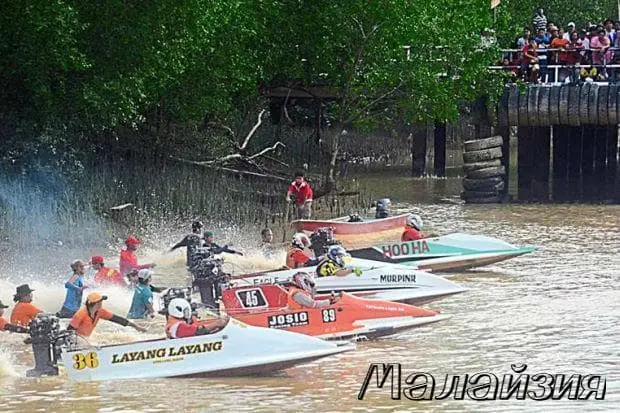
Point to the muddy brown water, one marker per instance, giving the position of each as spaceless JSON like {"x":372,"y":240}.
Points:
{"x":556,"y":310}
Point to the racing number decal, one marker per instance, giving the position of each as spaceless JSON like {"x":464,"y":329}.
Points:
{"x":81,"y":361}
{"x":329,"y":315}
{"x":252,"y":298}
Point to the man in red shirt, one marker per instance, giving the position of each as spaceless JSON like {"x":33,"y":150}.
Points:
{"x":105,"y":275}
{"x":303,"y":196}
{"x":129,"y":261}
{"x":413,"y":229}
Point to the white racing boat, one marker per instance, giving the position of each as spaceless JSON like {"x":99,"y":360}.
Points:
{"x":451,"y":252}
{"x":378,"y":280}
{"x":237,"y":349}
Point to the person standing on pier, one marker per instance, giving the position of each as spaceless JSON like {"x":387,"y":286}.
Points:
{"x":302,"y":191}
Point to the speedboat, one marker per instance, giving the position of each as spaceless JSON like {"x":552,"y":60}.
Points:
{"x":341,"y":226}
{"x":237,"y":349}
{"x":349,"y":316}
{"x":451,"y":252}
{"x":379,"y":280}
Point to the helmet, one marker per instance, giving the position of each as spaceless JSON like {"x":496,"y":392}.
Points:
{"x":304,"y":281}
{"x":196,"y":225}
{"x":414,"y":221}
{"x":145,"y":274}
{"x":337,"y":253}
{"x":301,"y":240}
{"x":96,"y":259}
{"x":180,"y":308}
{"x":132,"y":240}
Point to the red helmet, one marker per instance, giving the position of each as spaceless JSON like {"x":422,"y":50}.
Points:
{"x":97,"y":259}
{"x":132,"y":240}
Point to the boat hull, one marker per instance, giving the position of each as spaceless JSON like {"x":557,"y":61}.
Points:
{"x":350,"y":316}
{"x":223,"y":353}
{"x":451,"y":252}
{"x":341,"y":226}
{"x":407,"y":284}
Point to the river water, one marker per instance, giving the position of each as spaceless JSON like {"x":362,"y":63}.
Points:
{"x":556,"y":310}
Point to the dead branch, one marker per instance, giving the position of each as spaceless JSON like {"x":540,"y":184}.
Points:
{"x":254,"y":129}
{"x":264,"y":151}
{"x":231,"y":170}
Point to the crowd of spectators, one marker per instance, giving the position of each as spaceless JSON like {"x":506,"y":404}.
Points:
{"x":584,"y":54}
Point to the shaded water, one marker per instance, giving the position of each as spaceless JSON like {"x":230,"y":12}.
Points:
{"x":556,"y":310}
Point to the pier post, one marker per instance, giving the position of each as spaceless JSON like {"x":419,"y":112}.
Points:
{"x":418,"y":150}
{"x":561,"y":139}
{"x":440,"y":149}
{"x":574,"y":163}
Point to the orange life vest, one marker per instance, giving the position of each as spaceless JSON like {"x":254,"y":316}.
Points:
{"x":171,"y":326}
{"x":293,"y":253}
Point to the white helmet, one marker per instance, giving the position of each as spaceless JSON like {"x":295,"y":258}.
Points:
{"x":145,"y":274}
{"x":414,"y":221}
{"x":337,"y":253}
{"x":180,"y":308}
{"x":301,"y":240}
{"x":304,"y":281}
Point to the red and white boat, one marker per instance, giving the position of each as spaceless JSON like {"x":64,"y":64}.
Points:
{"x":350,"y":316}
{"x":341,"y":226}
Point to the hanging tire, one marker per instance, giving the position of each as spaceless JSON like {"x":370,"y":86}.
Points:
{"x":468,"y":167}
{"x":482,"y":155}
{"x":492,"y":199}
{"x":487,"y":172}
{"x":486,"y":143}
{"x":490,"y":184}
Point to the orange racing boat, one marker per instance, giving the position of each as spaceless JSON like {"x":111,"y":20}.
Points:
{"x":350,"y":316}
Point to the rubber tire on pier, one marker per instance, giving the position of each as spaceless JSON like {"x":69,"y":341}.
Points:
{"x":468,"y":167}
{"x":482,"y":155}
{"x":487,"y":172}
{"x":470,"y":199}
{"x":485,"y":143}
{"x":489,"y":184}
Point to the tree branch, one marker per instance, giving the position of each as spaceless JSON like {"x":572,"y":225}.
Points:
{"x":256,"y":126}
{"x":264,"y":151}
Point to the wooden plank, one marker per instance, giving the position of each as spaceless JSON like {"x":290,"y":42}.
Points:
{"x":543,"y":105}
{"x":587,"y":163}
{"x":613,"y":117}
{"x":523,"y":118}
{"x":600,"y":162}
{"x":593,"y":105}
{"x":524,"y":162}
{"x":541,"y":155}
{"x":513,"y":105}
{"x":584,"y":97}
{"x":561,"y":138}
{"x":532,"y":105}
{"x":554,"y":105}
{"x":574,"y":163}
{"x":601,"y":104}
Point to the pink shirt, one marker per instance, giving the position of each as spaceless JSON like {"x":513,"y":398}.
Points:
{"x":597,"y":57}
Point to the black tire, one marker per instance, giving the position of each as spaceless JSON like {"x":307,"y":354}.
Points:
{"x":490,"y":184}
{"x":493,"y":199}
{"x":482,"y":155}
{"x":468,"y":167}
{"x":478,"y":194}
{"x":486,"y":143}
{"x":487,"y":172}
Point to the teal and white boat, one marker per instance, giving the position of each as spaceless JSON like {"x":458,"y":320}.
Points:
{"x":451,"y":252}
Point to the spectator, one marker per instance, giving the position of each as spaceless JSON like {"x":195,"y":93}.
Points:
{"x":559,"y":42}
{"x":522,"y":41}
{"x":574,"y":47}
{"x":588,"y":74}
{"x":542,"y":37}
{"x":540,"y":20}
{"x":600,"y":45}
{"x":570,"y":29}
{"x":610,"y":31}
{"x":529,"y":62}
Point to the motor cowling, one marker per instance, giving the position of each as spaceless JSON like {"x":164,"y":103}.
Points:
{"x":322,"y":239}
{"x":48,"y":342}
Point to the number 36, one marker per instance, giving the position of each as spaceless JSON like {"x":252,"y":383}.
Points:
{"x":81,"y":361}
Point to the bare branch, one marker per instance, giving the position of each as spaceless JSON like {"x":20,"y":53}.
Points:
{"x":258,"y":123}
{"x":374,"y":102}
{"x":264,"y":151}
{"x":223,"y":127}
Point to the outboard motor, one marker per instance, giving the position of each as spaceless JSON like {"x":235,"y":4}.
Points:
{"x":209,"y":277}
{"x":177,"y":292}
{"x":383,"y":208}
{"x":322,"y":239}
{"x":47,"y":344}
